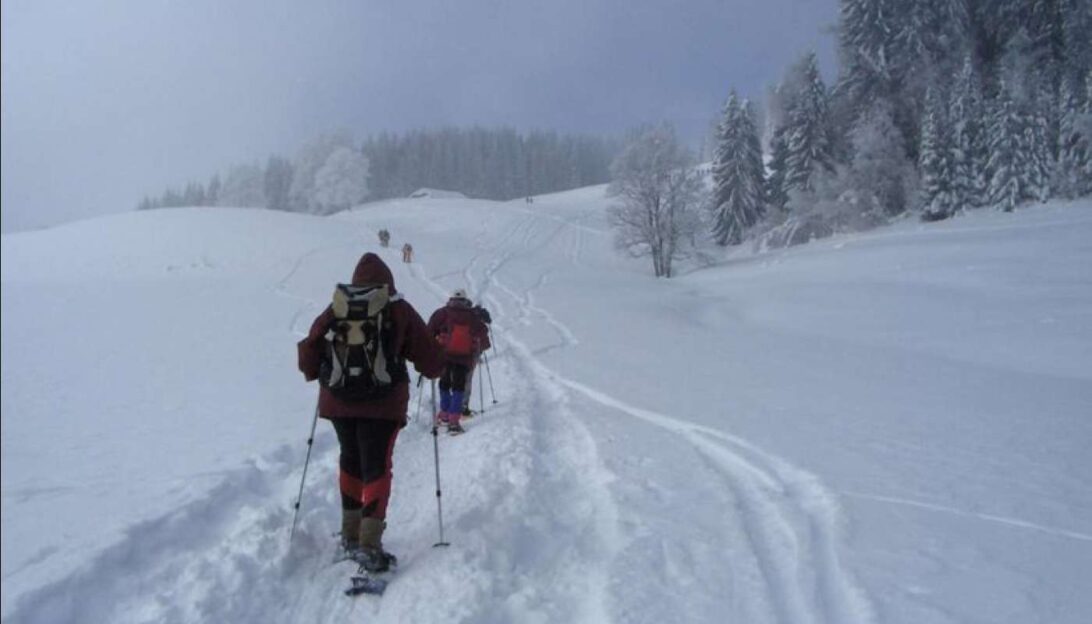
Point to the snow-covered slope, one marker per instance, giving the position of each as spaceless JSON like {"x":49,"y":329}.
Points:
{"x":889,"y":427}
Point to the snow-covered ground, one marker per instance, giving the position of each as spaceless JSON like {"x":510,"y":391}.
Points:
{"x":888,"y":427}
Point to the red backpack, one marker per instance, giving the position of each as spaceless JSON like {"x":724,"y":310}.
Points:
{"x":459,"y":341}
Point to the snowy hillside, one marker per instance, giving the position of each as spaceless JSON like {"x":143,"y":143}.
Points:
{"x":888,"y":427}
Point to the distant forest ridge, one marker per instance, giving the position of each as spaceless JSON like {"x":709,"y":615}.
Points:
{"x":332,"y":173}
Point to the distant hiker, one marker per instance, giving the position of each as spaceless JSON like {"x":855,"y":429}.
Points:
{"x":407,"y":253}
{"x":384,"y":238}
{"x":357,"y":349}
{"x":483,"y":314}
{"x":463,"y":336}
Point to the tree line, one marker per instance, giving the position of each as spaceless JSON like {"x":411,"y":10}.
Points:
{"x":331,"y":173}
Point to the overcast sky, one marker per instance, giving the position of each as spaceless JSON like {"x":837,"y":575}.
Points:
{"x":105,"y":101}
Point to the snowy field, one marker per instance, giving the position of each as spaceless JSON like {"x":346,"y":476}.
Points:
{"x":885,"y":427}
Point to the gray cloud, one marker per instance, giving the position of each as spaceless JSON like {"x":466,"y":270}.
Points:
{"x":106,"y":101}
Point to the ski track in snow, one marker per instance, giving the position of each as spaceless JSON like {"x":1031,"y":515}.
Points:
{"x":565,"y":467}
{"x":789,"y":519}
{"x":1004,"y":520}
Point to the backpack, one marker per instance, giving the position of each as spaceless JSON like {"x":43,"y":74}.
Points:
{"x":459,"y":341}
{"x":483,"y":314}
{"x":358,"y":363}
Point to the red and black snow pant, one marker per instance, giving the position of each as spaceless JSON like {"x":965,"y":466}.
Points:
{"x":367,"y":445}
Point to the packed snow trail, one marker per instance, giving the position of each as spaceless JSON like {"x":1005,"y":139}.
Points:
{"x":787,"y":518}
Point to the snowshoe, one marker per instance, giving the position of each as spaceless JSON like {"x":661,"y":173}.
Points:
{"x":363,"y":583}
{"x":455,"y":429}
{"x":374,"y":560}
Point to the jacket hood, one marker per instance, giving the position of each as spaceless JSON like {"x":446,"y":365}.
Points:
{"x":372,"y":270}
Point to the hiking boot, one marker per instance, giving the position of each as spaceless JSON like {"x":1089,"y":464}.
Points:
{"x":454,"y":428}
{"x":371,"y":556}
{"x":467,"y":412}
{"x":350,"y":529}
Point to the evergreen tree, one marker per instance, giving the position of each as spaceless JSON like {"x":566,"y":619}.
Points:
{"x":1009,"y":163}
{"x":737,"y":174}
{"x":936,"y":160}
{"x":278,"y":182}
{"x":880,"y":173}
{"x":1041,"y":156}
{"x":807,"y":130}
{"x":212,"y":191}
{"x":969,"y":185}
{"x":865,"y":40}
{"x":194,"y":195}
{"x":777,"y":195}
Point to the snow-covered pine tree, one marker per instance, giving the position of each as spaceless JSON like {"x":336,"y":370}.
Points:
{"x":278,"y":182}
{"x":737,"y":173}
{"x":880,"y":174}
{"x":1037,"y":138}
{"x":1008,"y":164}
{"x":935,"y":159}
{"x":212,"y":191}
{"x":1084,"y":176}
{"x":1071,"y":146}
{"x":807,"y":130}
{"x":865,"y":41}
{"x":244,"y":187}
{"x":777,"y":195}
{"x":194,"y":194}
{"x":965,"y":113}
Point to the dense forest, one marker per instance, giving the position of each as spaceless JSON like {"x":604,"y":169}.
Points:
{"x":938,"y":106}
{"x":331,"y":173}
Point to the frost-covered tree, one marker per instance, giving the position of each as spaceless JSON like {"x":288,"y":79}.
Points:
{"x":193,"y":195}
{"x":1009,"y":154}
{"x":342,"y":181}
{"x":936,"y":160}
{"x":880,"y":174}
{"x":807,"y":130}
{"x":1039,"y":144}
{"x":278,"y":182}
{"x":659,"y":192}
{"x":865,"y":40}
{"x":1073,"y":171}
{"x":738,"y":175}
{"x":968,"y":139}
{"x":777,"y":196}
{"x":243,"y":187}
{"x":212,"y":190}
{"x":313,"y":156}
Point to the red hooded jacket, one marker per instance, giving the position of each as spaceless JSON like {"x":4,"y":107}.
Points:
{"x":411,"y":339}
{"x":459,"y":311}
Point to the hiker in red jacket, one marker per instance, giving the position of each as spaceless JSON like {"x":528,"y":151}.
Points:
{"x":464,"y":336}
{"x":367,"y":423}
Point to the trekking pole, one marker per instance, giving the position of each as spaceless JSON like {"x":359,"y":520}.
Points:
{"x":417,"y":414}
{"x":490,"y":373}
{"x":436,"y":461}
{"x":299,"y":497}
{"x":481,"y":392}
